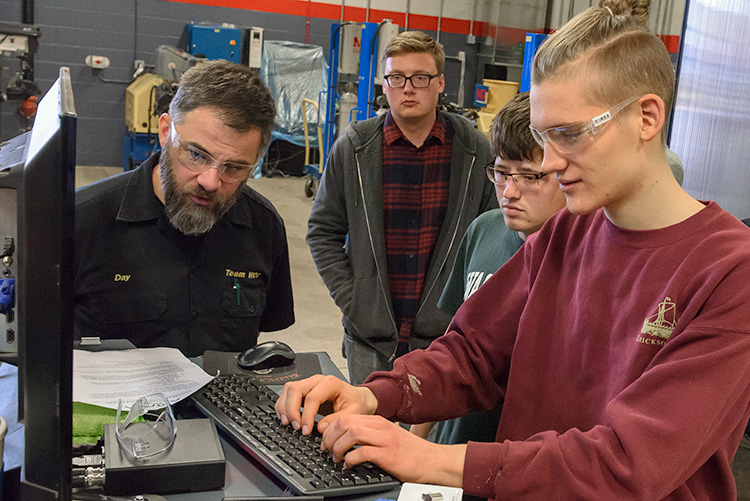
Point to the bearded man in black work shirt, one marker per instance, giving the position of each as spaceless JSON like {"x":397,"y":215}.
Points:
{"x":181,"y":252}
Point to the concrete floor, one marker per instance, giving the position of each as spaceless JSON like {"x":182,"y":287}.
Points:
{"x":318,"y":325}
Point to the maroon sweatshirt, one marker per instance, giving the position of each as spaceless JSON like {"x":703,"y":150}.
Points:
{"x":622,"y":359}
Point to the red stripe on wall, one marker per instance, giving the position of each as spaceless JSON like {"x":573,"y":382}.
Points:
{"x":672,"y":42}
{"x":508,"y":36}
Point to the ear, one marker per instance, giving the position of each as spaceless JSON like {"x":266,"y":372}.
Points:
{"x":441,"y":83}
{"x":165,"y":122}
{"x":652,"y":115}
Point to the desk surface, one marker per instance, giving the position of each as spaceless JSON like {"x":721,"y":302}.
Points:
{"x":244,"y":476}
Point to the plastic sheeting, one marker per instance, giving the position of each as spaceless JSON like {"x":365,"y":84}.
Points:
{"x":294,"y":71}
{"x":712,"y":109}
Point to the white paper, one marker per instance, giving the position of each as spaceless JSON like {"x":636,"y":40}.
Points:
{"x":104,"y":377}
{"x":416,"y":492}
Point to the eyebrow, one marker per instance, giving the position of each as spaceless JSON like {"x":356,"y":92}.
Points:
{"x":520,"y":171}
{"x":418,"y":72}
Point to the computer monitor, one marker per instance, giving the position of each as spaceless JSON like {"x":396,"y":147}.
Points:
{"x":43,"y":259}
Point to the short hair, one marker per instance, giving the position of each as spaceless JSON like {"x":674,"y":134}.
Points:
{"x":242,"y":100}
{"x":612,"y":46}
{"x":415,"y":42}
{"x":510,"y":135}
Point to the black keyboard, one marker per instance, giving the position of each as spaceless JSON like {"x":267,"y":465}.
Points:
{"x":244,"y":409}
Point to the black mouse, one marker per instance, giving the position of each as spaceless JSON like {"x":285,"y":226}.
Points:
{"x":266,"y":356}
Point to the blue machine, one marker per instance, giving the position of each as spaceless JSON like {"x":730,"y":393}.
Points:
{"x":215,"y":41}
{"x":137,"y":147}
{"x":365,"y":87}
{"x":368,"y":60}
{"x":533,"y":41}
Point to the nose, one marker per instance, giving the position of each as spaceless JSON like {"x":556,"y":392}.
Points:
{"x":553,"y":161}
{"x":209,"y":178}
{"x":511,"y":189}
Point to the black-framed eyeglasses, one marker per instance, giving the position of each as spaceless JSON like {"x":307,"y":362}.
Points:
{"x":521,"y":179}
{"x":418,"y":81}
{"x":199,"y":161}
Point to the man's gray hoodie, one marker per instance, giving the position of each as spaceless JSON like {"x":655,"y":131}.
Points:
{"x":346,"y":231}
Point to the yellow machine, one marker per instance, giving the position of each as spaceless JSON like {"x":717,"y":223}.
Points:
{"x":140,"y":102}
{"x":499,"y":92}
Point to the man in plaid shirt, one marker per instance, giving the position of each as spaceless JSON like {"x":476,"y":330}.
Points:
{"x":397,"y":194}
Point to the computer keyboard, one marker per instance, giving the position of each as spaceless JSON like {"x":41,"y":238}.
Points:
{"x":244,"y":409}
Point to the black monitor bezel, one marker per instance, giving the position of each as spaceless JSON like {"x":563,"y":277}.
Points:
{"x":46,"y":221}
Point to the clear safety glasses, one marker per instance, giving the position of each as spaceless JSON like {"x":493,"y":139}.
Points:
{"x":199,"y":161}
{"x":572,"y":138}
{"x":146,"y":439}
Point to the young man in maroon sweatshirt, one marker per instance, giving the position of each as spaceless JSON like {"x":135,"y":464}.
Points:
{"x":617,"y":338}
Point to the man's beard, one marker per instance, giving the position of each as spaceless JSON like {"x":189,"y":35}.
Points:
{"x":183,"y":214}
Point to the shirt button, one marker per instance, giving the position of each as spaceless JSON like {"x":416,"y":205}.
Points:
{"x":252,"y":309}
{"x":411,"y":256}
{"x":195,"y":315}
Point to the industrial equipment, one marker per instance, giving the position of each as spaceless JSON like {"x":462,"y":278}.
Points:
{"x":254,"y":47}
{"x":140,"y":101}
{"x":347,"y":41}
{"x":172,"y":62}
{"x":215,"y":41}
{"x":19,"y":41}
{"x":355,"y":50}
{"x":145,"y":100}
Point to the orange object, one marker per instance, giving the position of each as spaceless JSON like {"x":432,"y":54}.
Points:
{"x":28,"y":107}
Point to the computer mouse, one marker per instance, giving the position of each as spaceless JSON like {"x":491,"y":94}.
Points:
{"x":266,"y":356}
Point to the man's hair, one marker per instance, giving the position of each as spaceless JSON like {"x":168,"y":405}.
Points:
{"x":510,"y":136}
{"x":613,"y":49}
{"x":240,"y":97}
{"x":414,"y":42}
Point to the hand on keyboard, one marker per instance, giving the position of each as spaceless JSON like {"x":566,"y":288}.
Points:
{"x":244,"y":409}
{"x":358,"y":438}
{"x":312,"y":392}
{"x":353,"y":434}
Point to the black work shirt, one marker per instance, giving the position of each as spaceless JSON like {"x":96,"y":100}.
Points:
{"x":139,"y":278}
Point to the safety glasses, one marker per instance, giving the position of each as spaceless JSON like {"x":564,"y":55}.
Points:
{"x":572,"y":138}
{"x":157,"y":434}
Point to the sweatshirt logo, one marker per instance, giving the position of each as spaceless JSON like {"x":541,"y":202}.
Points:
{"x":658,"y":327}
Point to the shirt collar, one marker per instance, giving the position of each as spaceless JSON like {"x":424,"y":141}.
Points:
{"x":139,"y":202}
{"x":391,"y":132}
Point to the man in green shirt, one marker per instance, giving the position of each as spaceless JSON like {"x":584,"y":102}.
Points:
{"x":527,"y":198}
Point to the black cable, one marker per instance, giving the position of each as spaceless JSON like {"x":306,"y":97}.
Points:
{"x":106,"y":80}
{"x":370,"y":75}
{"x":151,"y":113}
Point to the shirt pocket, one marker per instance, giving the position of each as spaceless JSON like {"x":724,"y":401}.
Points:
{"x":123,"y":306}
{"x":243,"y":298}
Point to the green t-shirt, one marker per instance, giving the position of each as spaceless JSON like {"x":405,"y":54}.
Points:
{"x":485,"y":247}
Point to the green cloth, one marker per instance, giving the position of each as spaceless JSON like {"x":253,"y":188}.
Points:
{"x":89,"y":421}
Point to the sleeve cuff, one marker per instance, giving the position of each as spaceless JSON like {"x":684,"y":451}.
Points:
{"x":387,"y":394}
{"x":482,"y":465}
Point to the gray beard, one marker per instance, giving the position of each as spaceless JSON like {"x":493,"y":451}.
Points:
{"x":186,"y":217}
